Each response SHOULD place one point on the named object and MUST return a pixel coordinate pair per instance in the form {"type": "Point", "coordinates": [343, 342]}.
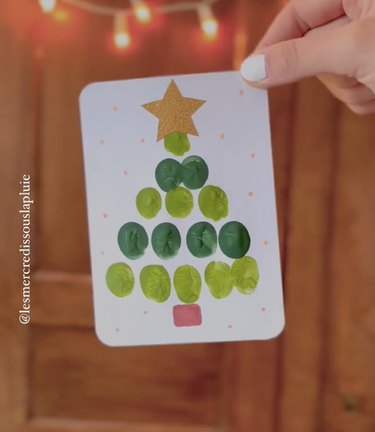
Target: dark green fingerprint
{"type": "Point", "coordinates": [201, 239]}
{"type": "Point", "coordinates": [166, 240]}
{"type": "Point", "coordinates": [132, 240]}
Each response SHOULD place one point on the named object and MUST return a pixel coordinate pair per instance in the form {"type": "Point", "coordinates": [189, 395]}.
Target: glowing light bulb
{"type": "Point", "coordinates": [122, 40]}
{"type": "Point", "coordinates": [209, 24]}
{"type": "Point", "coordinates": [121, 36]}
{"type": "Point", "coordinates": [141, 11]}
{"type": "Point", "coordinates": [48, 6]}
{"type": "Point", "coordinates": [210, 28]}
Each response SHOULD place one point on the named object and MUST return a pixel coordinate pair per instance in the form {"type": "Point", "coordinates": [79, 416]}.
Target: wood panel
{"type": "Point", "coordinates": [63, 239]}
{"type": "Point", "coordinates": [62, 299]}
{"type": "Point", "coordinates": [75, 376]}
{"type": "Point", "coordinates": [16, 147]}
{"type": "Point", "coordinates": [349, 374]}
{"type": "Point", "coordinates": [48, 425]}
{"type": "Point", "coordinates": [307, 257]}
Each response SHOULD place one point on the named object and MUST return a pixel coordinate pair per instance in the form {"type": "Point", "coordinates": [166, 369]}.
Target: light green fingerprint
{"type": "Point", "coordinates": [213, 203]}
{"type": "Point", "coordinates": [155, 283]}
{"type": "Point", "coordinates": [148, 202]}
{"type": "Point", "coordinates": [179, 202]}
{"type": "Point", "coordinates": [218, 279]}
{"type": "Point", "coordinates": [120, 279]}
{"type": "Point", "coordinates": [188, 283]}
{"type": "Point", "coordinates": [177, 143]}
{"type": "Point", "coordinates": [245, 274]}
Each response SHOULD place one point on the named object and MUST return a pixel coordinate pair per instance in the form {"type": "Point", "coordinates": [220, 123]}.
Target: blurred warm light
{"type": "Point", "coordinates": [209, 24]}
{"type": "Point", "coordinates": [121, 37]}
{"type": "Point", "coordinates": [142, 11]}
{"type": "Point", "coordinates": [121, 40]}
{"type": "Point", "coordinates": [61, 15]}
{"type": "Point", "coordinates": [47, 6]}
{"type": "Point", "coordinates": [210, 28]}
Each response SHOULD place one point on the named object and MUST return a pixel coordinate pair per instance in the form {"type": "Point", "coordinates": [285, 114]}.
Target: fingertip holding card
{"type": "Point", "coordinates": [189, 257]}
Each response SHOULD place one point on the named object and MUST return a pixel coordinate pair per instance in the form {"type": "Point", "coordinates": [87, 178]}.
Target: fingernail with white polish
{"type": "Point", "coordinates": [254, 68]}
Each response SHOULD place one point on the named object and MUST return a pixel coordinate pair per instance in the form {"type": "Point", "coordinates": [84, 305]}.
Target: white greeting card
{"type": "Point", "coordinates": [181, 205]}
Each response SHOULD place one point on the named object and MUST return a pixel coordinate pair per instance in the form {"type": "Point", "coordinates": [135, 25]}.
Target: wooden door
{"type": "Point", "coordinates": [55, 376]}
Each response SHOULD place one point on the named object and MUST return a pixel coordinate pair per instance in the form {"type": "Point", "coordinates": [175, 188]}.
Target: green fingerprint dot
{"type": "Point", "coordinates": [188, 283]}
{"type": "Point", "coordinates": [201, 240]}
{"type": "Point", "coordinates": [155, 283]}
{"type": "Point", "coordinates": [177, 143]}
{"type": "Point", "coordinates": [132, 240]}
{"type": "Point", "coordinates": [234, 240]}
{"type": "Point", "coordinates": [148, 202]}
{"type": "Point", "coordinates": [168, 174]}
{"type": "Point", "coordinates": [213, 203]}
{"type": "Point", "coordinates": [245, 274]}
{"type": "Point", "coordinates": [195, 172]}
{"type": "Point", "coordinates": [166, 240]}
{"type": "Point", "coordinates": [179, 202]}
{"type": "Point", "coordinates": [218, 279]}
{"type": "Point", "coordinates": [120, 279]}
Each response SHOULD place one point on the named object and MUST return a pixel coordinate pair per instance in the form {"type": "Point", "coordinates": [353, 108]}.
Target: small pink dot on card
{"type": "Point", "coordinates": [142, 141]}
{"type": "Point", "coordinates": [230, 326]}
{"type": "Point", "coordinates": [265, 243]}
{"type": "Point", "coordinates": [145, 312]}
{"type": "Point", "coordinates": [104, 215]}
{"type": "Point", "coordinates": [222, 136]}
{"type": "Point", "coordinates": [252, 155]}
{"type": "Point", "coordinates": [102, 141]}
{"type": "Point", "coordinates": [263, 309]}
{"type": "Point", "coordinates": [251, 194]}
{"type": "Point", "coordinates": [125, 173]}
{"type": "Point", "coordinates": [115, 108]}
{"type": "Point", "coordinates": [117, 330]}
{"type": "Point", "coordinates": [242, 92]}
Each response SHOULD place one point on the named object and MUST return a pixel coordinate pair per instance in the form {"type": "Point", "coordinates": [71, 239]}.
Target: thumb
{"type": "Point", "coordinates": [322, 51]}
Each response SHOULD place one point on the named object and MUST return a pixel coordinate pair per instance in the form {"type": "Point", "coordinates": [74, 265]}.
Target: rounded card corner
{"type": "Point", "coordinates": [86, 91]}
{"type": "Point", "coordinates": [103, 338]}
{"type": "Point", "coordinates": [278, 329]}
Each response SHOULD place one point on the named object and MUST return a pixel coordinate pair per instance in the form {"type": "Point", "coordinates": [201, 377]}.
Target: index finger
{"type": "Point", "coordinates": [300, 16]}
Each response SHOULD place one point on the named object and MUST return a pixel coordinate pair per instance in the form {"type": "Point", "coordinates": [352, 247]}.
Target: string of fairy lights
{"type": "Point", "coordinates": [143, 13]}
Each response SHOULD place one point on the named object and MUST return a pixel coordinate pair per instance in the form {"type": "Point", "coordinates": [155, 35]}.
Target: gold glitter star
{"type": "Point", "coordinates": [174, 112]}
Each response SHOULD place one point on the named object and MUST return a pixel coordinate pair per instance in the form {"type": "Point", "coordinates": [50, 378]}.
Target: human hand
{"type": "Point", "coordinates": [334, 39]}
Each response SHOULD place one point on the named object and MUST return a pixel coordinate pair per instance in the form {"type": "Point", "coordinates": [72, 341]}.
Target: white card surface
{"type": "Point", "coordinates": [121, 153]}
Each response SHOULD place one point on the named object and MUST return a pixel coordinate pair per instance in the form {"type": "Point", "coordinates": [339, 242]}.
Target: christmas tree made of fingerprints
{"type": "Point", "coordinates": [176, 180]}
